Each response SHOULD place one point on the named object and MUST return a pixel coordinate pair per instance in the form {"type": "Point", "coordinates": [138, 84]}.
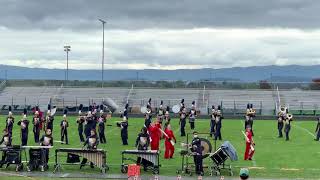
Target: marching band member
{"type": "Point", "coordinates": [192, 115]}
{"type": "Point", "coordinates": [169, 148]}
{"type": "Point", "coordinates": [142, 143]}
{"type": "Point", "coordinates": [196, 148]}
{"type": "Point", "coordinates": [91, 142]}
{"type": "Point", "coordinates": [250, 113]}
{"type": "Point", "coordinates": [213, 121]}
{"type": "Point", "coordinates": [124, 130]}
{"type": "Point", "coordinates": [101, 125]}
{"type": "Point", "coordinates": [46, 140]}
{"type": "Point", "coordinates": [183, 116]}
{"type": "Point", "coordinates": [148, 115]}
{"type": "Point", "coordinates": [10, 121]}
{"type": "Point", "coordinates": [6, 140]}
{"type": "Point", "coordinates": [49, 119]}
{"type": "Point", "coordinates": [318, 130]}
{"type": "Point", "coordinates": [287, 124]}
{"type": "Point", "coordinates": [80, 121]}
{"type": "Point", "coordinates": [36, 125]}
{"type": "Point", "coordinates": [218, 123]}
{"type": "Point", "coordinates": [167, 115]}
{"type": "Point", "coordinates": [88, 124]}
{"type": "Point", "coordinates": [282, 115]}
{"type": "Point", "coordinates": [160, 112]}
{"type": "Point", "coordinates": [24, 125]}
{"type": "Point", "coordinates": [155, 135]}
{"type": "Point", "coordinates": [249, 144]}
{"type": "Point", "coordinates": [64, 127]}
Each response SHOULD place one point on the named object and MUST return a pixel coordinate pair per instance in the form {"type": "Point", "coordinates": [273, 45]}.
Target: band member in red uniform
{"type": "Point", "coordinates": [155, 135]}
{"type": "Point", "coordinates": [249, 144]}
{"type": "Point", "coordinates": [169, 147]}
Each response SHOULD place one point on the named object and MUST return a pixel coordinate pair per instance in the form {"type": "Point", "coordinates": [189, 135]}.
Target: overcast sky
{"type": "Point", "coordinates": [168, 34]}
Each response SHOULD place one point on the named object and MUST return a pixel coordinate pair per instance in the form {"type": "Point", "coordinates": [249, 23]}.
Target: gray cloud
{"type": "Point", "coordinates": [140, 14]}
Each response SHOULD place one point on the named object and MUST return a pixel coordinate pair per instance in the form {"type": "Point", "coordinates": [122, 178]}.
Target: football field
{"type": "Point", "coordinates": [274, 157]}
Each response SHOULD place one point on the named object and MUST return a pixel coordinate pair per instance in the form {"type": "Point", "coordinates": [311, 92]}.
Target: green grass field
{"type": "Point", "coordinates": [274, 158]}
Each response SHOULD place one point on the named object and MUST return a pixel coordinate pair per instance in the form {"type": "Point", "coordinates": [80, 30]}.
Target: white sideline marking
{"type": "Point", "coordinates": [304, 129]}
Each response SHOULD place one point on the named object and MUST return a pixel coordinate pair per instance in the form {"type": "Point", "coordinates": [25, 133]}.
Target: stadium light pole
{"type": "Point", "coordinates": [67, 49]}
{"type": "Point", "coordinates": [102, 63]}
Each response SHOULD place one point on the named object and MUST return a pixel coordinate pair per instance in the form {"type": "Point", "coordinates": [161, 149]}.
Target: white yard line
{"type": "Point", "coordinates": [304, 129]}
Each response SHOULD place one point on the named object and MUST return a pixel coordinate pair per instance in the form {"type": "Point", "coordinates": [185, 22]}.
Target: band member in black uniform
{"type": "Point", "coordinates": [160, 112]}
{"type": "Point", "coordinates": [36, 125]}
{"type": "Point", "coordinates": [49, 119]}
{"type": "Point", "coordinates": [282, 115]}
{"type": "Point", "coordinates": [80, 121]}
{"type": "Point", "coordinates": [192, 115]}
{"type": "Point", "coordinates": [64, 127]}
{"type": "Point", "coordinates": [197, 151]}
{"type": "Point", "coordinates": [24, 126]}
{"type": "Point", "coordinates": [167, 118]}
{"type": "Point", "coordinates": [250, 114]}
{"type": "Point", "coordinates": [95, 117]}
{"type": "Point", "coordinates": [101, 125]}
{"type": "Point", "coordinates": [10, 121]}
{"type": "Point", "coordinates": [287, 124]}
{"type": "Point", "coordinates": [318, 130]}
{"type": "Point", "coordinates": [91, 142]}
{"type": "Point", "coordinates": [142, 143]}
{"type": "Point", "coordinates": [213, 121]}
{"type": "Point", "coordinates": [183, 116]}
{"type": "Point", "coordinates": [218, 122]}
{"type": "Point", "coordinates": [148, 115]}
{"type": "Point", "coordinates": [124, 130]}
{"type": "Point", "coordinates": [6, 141]}
{"type": "Point", "coordinates": [88, 124]}
{"type": "Point", "coordinates": [46, 140]}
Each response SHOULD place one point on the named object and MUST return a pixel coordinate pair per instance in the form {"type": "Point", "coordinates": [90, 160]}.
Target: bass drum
{"type": "Point", "coordinates": [206, 147]}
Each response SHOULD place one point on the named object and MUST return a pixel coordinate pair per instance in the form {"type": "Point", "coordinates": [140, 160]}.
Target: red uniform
{"type": "Point", "coordinates": [249, 142]}
{"type": "Point", "coordinates": [169, 148]}
{"type": "Point", "coordinates": [155, 135]}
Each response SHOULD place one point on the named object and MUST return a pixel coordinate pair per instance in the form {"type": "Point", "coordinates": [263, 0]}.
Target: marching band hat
{"type": "Point", "coordinates": [65, 112]}
{"type": "Point", "coordinates": [80, 108]}
{"type": "Point", "coordinates": [10, 111]}
{"type": "Point", "coordinates": [24, 113]}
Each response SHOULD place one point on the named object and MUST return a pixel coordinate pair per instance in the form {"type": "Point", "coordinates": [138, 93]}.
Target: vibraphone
{"type": "Point", "coordinates": [98, 157]}
{"type": "Point", "coordinates": [13, 156]}
{"type": "Point", "coordinates": [151, 156]}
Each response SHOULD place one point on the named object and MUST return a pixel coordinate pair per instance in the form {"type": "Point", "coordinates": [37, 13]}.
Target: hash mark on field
{"type": "Point", "coordinates": [306, 130]}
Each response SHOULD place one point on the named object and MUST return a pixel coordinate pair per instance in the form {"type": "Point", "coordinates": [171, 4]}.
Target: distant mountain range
{"type": "Point", "coordinates": [291, 73]}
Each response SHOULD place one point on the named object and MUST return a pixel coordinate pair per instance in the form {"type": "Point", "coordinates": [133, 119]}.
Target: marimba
{"type": "Point", "coordinates": [97, 156]}
{"type": "Point", "coordinates": [152, 156]}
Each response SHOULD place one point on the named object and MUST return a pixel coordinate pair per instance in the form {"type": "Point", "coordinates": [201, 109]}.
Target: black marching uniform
{"type": "Point", "coordinates": [9, 124]}
{"type": "Point", "coordinates": [36, 128]}
{"type": "Point", "coordinates": [142, 143]}
{"type": "Point", "coordinates": [182, 122]}
{"type": "Point", "coordinates": [318, 130]}
{"type": "Point", "coordinates": [49, 120]}
{"type": "Point", "coordinates": [213, 121]}
{"type": "Point", "coordinates": [249, 118]}
{"type": "Point", "coordinates": [197, 157]}
{"type": "Point", "coordinates": [80, 121]}
{"type": "Point", "coordinates": [101, 129]}
{"type": "Point", "coordinates": [281, 118]}
{"type": "Point", "coordinates": [91, 142]}
{"type": "Point", "coordinates": [287, 127]}
{"type": "Point", "coordinates": [160, 113]}
{"type": "Point", "coordinates": [24, 126]}
{"type": "Point", "coordinates": [45, 140]}
{"type": "Point", "coordinates": [124, 131]}
{"type": "Point", "coordinates": [218, 122]}
{"type": "Point", "coordinates": [64, 131]}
